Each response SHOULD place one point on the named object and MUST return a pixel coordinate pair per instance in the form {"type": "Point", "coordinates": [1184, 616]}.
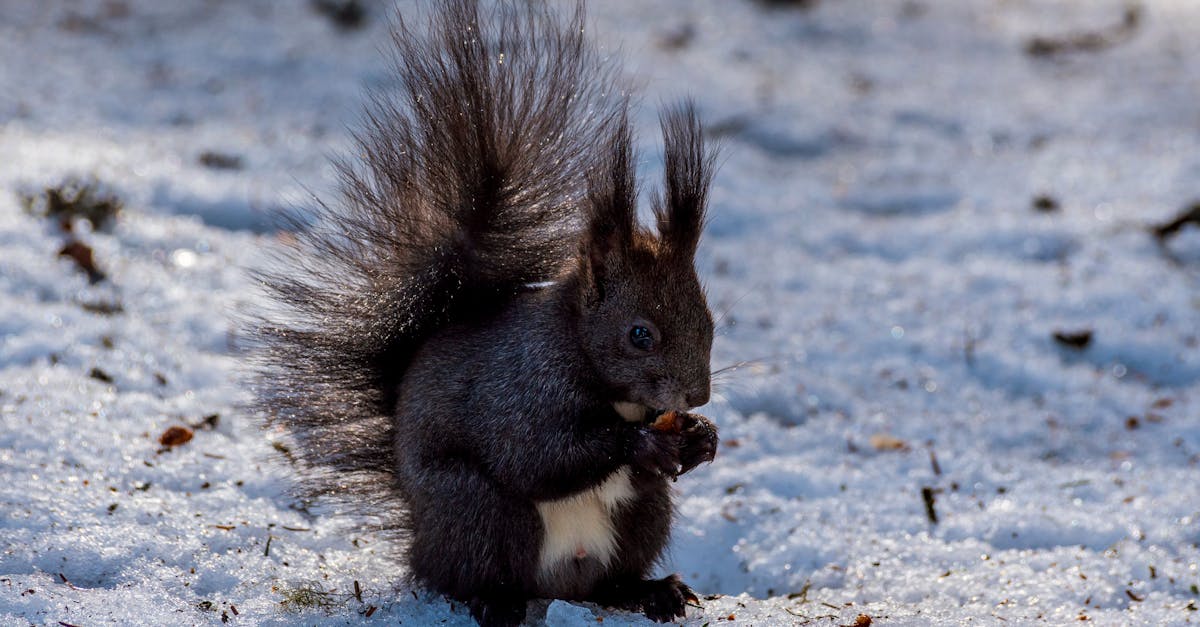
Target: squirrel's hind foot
{"type": "Point", "coordinates": [666, 599]}
{"type": "Point", "coordinates": [661, 600]}
{"type": "Point", "coordinates": [497, 611]}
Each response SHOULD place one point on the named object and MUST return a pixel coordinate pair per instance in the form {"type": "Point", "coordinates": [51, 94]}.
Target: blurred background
{"type": "Point", "coordinates": [954, 251]}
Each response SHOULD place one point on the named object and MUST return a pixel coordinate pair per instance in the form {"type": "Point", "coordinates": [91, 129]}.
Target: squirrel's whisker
{"type": "Point", "coordinates": [725, 311]}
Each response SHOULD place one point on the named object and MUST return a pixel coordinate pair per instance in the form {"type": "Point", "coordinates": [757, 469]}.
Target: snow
{"type": "Point", "coordinates": [872, 252]}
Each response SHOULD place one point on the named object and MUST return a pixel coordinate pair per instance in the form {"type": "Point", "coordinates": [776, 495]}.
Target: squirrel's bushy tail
{"type": "Point", "coordinates": [465, 187]}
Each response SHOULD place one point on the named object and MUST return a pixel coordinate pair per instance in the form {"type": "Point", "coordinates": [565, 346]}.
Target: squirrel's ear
{"type": "Point", "coordinates": [688, 170]}
{"type": "Point", "coordinates": [611, 204]}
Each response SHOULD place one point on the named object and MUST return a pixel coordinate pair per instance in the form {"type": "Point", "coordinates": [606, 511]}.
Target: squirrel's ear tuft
{"type": "Point", "coordinates": [611, 203]}
{"type": "Point", "coordinates": [688, 170]}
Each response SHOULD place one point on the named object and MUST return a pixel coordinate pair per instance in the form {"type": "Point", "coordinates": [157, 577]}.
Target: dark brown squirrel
{"type": "Point", "coordinates": [470, 347]}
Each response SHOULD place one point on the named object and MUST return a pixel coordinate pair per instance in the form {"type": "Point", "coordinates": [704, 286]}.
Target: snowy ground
{"type": "Point", "coordinates": [873, 239]}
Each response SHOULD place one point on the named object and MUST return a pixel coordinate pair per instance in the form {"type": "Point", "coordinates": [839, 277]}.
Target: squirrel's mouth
{"type": "Point", "coordinates": [637, 412]}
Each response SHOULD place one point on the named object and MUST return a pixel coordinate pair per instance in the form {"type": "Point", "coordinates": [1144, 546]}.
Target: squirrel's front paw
{"type": "Point", "coordinates": [699, 442]}
{"type": "Point", "coordinates": [656, 452]}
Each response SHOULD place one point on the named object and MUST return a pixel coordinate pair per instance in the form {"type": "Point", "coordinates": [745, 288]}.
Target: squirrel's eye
{"type": "Point", "coordinates": [641, 338]}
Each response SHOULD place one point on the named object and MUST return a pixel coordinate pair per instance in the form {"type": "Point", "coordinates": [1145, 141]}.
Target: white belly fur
{"type": "Point", "coordinates": [581, 524]}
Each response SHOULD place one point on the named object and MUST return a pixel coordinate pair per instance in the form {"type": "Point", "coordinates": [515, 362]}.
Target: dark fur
{"type": "Point", "coordinates": [429, 383]}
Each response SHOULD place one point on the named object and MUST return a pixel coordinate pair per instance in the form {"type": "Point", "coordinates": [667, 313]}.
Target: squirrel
{"type": "Point", "coordinates": [470, 346]}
